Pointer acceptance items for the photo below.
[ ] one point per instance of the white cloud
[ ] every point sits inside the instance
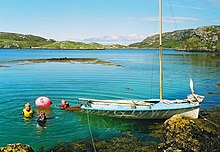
(127, 39)
(216, 21)
(172, 19)
(188, 7)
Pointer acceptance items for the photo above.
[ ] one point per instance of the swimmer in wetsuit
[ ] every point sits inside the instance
(42, 119)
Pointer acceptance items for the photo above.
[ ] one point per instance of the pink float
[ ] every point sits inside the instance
(43, 102)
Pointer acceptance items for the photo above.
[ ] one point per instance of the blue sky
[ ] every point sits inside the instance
(104, 21)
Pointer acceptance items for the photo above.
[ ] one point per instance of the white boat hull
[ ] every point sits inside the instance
(162, 114)
(155, 111)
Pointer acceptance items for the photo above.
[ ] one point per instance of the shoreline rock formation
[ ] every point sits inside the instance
(16, 148)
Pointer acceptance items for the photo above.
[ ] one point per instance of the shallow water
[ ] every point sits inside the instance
(136, 79)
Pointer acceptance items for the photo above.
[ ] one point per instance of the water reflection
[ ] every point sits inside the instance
(139, 80)
(200, 59)
(46, 110)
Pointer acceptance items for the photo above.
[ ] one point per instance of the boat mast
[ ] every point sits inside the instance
(161, 72)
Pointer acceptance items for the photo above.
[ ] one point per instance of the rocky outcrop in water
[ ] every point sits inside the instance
(69, 60)
(181, 134)
(16, 148)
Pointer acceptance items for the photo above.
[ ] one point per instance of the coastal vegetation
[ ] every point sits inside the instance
(206, 39)
(21, 41)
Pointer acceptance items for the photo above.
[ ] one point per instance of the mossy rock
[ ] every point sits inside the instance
(16, 148)
(182, 134)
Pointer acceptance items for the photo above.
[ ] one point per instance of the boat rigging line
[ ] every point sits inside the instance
(90, 132)
(186, 61)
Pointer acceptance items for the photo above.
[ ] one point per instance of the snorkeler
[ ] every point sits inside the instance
(28, 112)
(42, 119)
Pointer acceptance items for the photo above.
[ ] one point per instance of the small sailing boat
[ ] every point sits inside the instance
(146, 109)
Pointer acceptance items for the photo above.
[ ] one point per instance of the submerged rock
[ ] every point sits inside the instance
(213, 92)
(217, 85)
(4, 66)
(16, 148)
(69, 60)
(122, 144)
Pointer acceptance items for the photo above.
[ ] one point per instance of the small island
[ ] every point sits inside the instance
(69, 60)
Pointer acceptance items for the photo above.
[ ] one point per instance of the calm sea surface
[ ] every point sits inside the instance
(137, 78)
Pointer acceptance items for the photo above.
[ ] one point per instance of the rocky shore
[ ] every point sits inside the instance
(189, 135)
(177, 134)
(16, 148)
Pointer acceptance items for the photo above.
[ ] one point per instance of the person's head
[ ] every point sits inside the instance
(42, 114)
(27, 106)
(63, 101)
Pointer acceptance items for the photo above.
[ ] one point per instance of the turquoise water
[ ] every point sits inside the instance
(136, 79)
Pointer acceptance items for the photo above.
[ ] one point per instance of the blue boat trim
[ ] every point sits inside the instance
(158, 106)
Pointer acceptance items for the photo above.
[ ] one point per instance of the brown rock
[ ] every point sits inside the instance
(16, 148)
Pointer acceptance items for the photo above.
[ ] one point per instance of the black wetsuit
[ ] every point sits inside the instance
(41, 121)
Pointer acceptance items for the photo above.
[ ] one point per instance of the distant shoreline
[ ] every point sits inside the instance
(178, 50)
(202, 39)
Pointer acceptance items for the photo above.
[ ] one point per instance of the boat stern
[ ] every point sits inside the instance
(194, 113)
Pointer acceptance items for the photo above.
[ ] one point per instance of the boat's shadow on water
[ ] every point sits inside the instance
(122, 125)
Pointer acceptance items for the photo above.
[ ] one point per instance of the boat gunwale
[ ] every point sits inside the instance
(141, 110)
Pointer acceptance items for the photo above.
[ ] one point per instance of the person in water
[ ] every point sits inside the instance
(64, 105)
(42, 119)
(28, 112)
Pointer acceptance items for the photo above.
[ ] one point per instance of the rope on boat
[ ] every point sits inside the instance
(152, 77)
(172, 14)
(175, 26)
(205, 118)
(90, 131)
(209, 121)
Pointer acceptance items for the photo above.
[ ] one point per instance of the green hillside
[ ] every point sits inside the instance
(21, 41)
(72, 45)
(206, 38)
(13, 40)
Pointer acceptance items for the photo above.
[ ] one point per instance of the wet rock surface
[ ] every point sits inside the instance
(182, 134)
(16, 148)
